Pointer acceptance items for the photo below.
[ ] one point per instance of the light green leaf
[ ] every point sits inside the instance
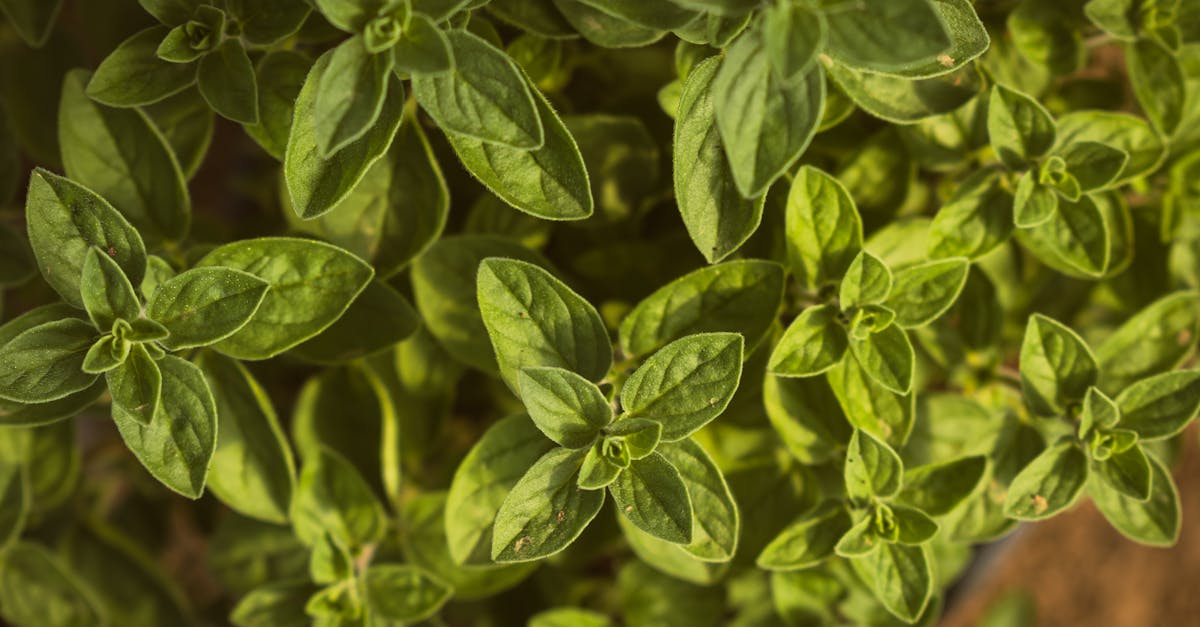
(807, 417)
(793, 34)
(1161, 405)
(445, 289)
(350, 95)
(1049, 484)
(1156, 339)
(423, 48)
(177, 444)
(765, 122)
(37, 589)
(482, 481)
(885, 35)
(277, 604)
(1057, 367)
(403, 593)
(1093, 164)
(718, 219)
(808, 541)
(901, 578)
(485, 98)
(686, 384)
(903, 100)
(735, 296)
(203, 306)
(133, 75)
(136, 385)
(652, 495)
(549, 182)
(226, 80)
(872, 468)
(716, 522)
(311, 285)
(534, 319)
(316, 184)
(1128, 472)
(887, 356)
(968, 40)
(545, 511)
(976, 219)
(568, 408)
(1158, 81)
(333, 498)
(937, 489)
(1033, 202)
(252, 468)
(1155, 521)
(280, 75)
(867, 281)
(1019, 128)
(824, 231)
(813, 343)
(121, 156)
(45, 363)
(1044, 34)
(869, 405)
(569, 617)
(1119, 130)
(923, 292)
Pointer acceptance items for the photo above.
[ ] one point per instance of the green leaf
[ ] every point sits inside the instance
(1156, 339)
(806, 415)
(37, 589)
(937, 489)
(1155, 521)
(1128, 472)
(16, 499)
(133, 75)
(686, 384)
(107, 293)
(203, 306)
(485, 98)
(549, 182)
(1045, 34)
(1049, 484)
(186, 122)
(599, 469)
(813, 343)
(887, 356)
(640, 436)
(350, 15)
(765, 122)
(735, 296)
(1093, 164)
(718, 219)
(1078, 235)
(793, 34)
(824, 231)
(652, 495)
(869, 405)
(545, 511)
(1113, 17)
(1033, 202)
(976, 219)
(903, 100)
(333, 498)
(266, 22)
(45, 363)
(350, 95)
(379, 308)
(316, 184)
(482, 481)
(1119, 130)
(1057, 367)
(277, 604)
(808, 541)
(872, 468)
(136, 385)
(968, 40)
(252, 469)
(399, 592)
(568, 408)
(923, 292)
(1160, 406)
(885, 35)
(1158, 81)
(177, 444)
(913, 526)
(32, 19)
(534, 319)
(65, 220)
(569, 617)
(118, 154)
(311, 285)
(900, 577)
(867, 281)
(226, 80)
(1099, 412)
(1019, 128)
(716, 522)
(663, 16)
(280, 75)
(423, 48)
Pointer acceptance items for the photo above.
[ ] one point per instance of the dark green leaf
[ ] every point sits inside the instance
(652, 495)
(226, 80)
(133, 75)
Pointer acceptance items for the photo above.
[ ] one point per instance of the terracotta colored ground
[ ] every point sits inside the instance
(1080, 572)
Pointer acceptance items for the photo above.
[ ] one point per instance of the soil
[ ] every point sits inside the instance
(1077, 570)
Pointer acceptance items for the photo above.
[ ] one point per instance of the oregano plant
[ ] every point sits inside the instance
(582, 312)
